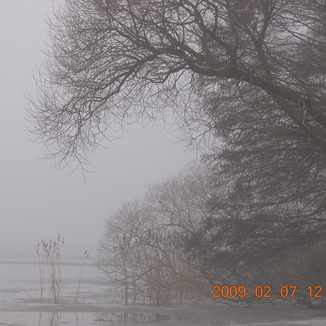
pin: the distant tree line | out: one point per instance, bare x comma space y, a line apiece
177, 243
144, 243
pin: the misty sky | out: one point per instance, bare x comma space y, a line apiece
39, 201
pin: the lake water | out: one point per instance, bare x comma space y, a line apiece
86, 297
95, 301
20, 290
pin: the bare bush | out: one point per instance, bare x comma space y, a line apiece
143, 245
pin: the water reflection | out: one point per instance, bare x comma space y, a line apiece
54, 318
125, 318
113, 318
49, 319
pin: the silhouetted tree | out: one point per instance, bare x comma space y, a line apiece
269, 203
123, 61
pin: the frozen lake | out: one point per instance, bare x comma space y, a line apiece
95, 302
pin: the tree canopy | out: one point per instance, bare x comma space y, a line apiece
120, 61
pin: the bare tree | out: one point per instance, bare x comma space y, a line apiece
123, 61
143, 246
269, 215
250, 73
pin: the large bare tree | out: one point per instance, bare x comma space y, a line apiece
121, 61
249, 72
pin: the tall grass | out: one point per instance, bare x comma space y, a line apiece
49, 261
49, 257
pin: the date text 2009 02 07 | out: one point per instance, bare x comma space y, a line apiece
266, 291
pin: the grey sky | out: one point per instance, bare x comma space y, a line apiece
39, 201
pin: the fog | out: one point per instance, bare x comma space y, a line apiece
38, 200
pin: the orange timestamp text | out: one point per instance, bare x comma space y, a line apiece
285, 291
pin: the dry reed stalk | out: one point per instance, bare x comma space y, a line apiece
49, 254
82, 266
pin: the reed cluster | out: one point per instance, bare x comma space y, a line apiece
49, 258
